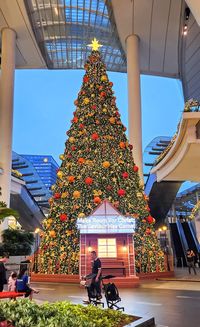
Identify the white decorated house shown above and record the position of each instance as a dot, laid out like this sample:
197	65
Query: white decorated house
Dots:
110	234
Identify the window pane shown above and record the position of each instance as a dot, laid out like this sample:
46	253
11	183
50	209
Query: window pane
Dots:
112	241
102	241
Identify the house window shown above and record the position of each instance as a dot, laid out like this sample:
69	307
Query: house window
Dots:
107	248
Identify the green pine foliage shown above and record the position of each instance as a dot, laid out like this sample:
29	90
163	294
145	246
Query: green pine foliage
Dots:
26	313
97	164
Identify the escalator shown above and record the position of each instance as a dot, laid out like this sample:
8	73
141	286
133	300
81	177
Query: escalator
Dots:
179	243
190	236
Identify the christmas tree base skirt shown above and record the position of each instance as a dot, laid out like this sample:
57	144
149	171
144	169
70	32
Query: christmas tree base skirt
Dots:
156	275
124	282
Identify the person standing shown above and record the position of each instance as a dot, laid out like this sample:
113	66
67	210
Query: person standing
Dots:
96	271
191	261
3	279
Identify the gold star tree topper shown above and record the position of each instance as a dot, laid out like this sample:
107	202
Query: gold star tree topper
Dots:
95	45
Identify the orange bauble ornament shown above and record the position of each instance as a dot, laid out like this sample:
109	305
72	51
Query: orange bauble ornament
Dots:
81	160
122	145
76	194
106	164
71	179
52	233
112	120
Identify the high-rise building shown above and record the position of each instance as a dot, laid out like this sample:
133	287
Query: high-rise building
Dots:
45	166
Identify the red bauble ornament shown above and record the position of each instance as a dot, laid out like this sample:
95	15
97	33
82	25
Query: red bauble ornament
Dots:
75	119
150	219
81	126
121	192
85	79
102	94
111	84
57	195
95	136
125	175
94	107
117	114
88	180
97	199
63	217
135	168
148	231
73	148
130	146
124	129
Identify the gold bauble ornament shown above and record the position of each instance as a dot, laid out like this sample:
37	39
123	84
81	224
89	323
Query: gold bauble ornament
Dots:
64	195
60	174
71	139
61	156
86	100
81	215
104	78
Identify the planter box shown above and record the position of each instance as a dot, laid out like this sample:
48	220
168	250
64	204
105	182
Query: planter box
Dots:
142	322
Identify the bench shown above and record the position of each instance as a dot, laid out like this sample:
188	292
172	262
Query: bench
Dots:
10	295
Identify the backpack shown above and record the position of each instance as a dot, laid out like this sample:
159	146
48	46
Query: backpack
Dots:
111	292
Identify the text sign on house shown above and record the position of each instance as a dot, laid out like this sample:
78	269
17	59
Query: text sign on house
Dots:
106	220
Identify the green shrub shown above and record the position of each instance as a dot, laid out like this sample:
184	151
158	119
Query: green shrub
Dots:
16	242
25	313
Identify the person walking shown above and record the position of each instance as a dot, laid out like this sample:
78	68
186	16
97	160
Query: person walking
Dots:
95	277
191	261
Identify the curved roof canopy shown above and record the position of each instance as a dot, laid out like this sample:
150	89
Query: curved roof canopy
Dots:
63	29
54	34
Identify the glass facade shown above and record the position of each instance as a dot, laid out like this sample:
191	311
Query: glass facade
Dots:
185	202
45	166
151	152
64	28
38	175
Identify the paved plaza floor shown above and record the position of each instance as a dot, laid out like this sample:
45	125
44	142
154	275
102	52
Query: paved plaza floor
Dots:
173	303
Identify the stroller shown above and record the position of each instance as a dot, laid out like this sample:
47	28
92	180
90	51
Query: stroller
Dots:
109	289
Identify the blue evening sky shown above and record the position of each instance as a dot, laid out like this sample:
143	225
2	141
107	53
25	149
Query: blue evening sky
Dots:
44	103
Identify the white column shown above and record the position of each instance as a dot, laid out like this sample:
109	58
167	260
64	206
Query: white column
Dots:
134	100
6	110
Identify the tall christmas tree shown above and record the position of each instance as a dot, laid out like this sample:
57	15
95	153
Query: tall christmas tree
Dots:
97	164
